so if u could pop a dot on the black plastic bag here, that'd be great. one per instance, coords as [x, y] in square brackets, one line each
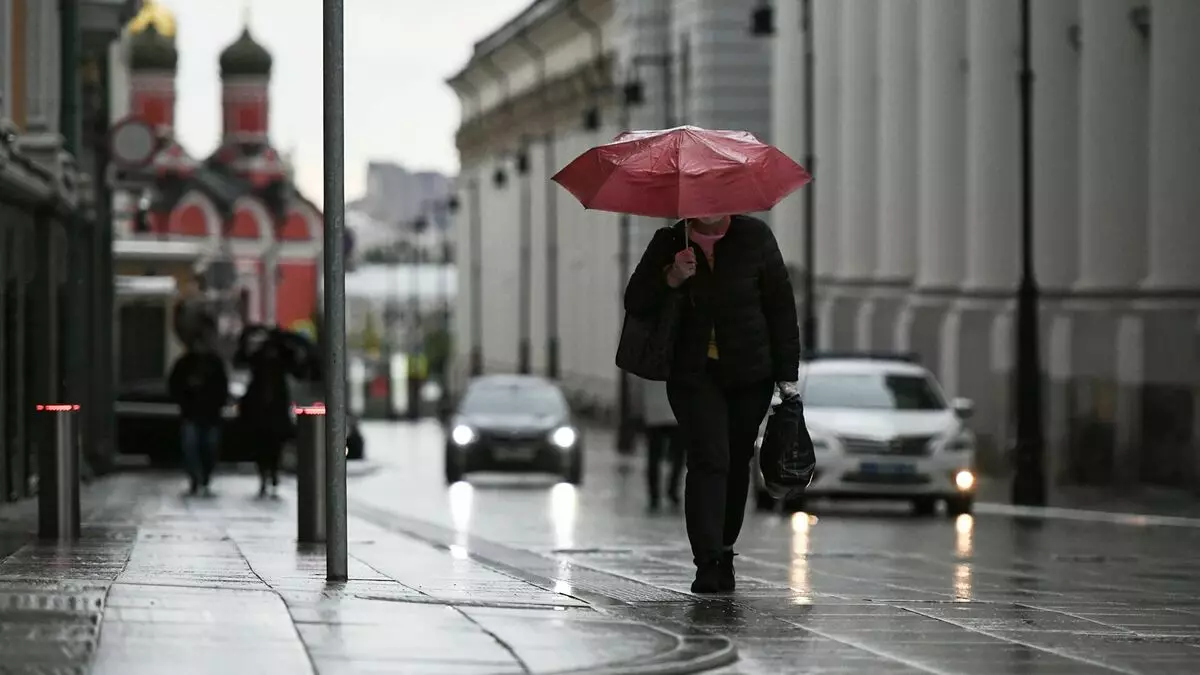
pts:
[787, 459]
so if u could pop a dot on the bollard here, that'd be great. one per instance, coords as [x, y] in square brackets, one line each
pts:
[58, 484]
[310, 474]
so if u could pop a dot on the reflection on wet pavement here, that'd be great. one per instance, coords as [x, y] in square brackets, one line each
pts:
[838, 590]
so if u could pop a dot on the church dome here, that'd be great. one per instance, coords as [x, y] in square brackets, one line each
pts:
[245, 57]
[151, 50]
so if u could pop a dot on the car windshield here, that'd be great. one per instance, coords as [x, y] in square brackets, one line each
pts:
[880, 391]
[494, 399]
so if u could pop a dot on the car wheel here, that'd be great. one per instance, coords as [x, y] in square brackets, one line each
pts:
[763, 501]
[454, 472]
[574, 472]
[958, 506]
[924, 506]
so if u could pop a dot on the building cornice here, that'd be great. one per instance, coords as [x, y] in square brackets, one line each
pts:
[536, 109]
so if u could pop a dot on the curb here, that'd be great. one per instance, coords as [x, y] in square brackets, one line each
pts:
[691, 654]
[1061, 513]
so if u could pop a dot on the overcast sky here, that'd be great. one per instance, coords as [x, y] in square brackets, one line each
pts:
[398, 55]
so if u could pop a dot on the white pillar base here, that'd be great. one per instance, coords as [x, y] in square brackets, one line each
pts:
[1089, 454]
[1057, 401]
[1161, 369]
[837, 319]
[919, 329]
[875, 324]
[968, 368]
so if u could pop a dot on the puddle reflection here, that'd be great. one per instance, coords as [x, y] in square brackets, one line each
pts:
[964, 548]
[462, 498]
[964, 540]
[798, 574]
[562, 577]
[563, 503]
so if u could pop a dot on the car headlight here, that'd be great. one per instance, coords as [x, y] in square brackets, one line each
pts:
[462, 435]
[564, 437]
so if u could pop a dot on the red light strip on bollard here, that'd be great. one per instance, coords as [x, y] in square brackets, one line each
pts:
[57, 407]
[317, 408]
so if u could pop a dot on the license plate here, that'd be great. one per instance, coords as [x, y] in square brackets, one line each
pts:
[887, 468]
[514, 454]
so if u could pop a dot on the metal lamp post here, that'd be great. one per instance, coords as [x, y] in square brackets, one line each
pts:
[336, 558]
[762, 24]
[1029, 479]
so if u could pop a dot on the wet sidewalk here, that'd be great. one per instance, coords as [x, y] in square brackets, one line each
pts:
[163, 583]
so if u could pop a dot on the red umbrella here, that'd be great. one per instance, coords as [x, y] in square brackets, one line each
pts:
[685, 172]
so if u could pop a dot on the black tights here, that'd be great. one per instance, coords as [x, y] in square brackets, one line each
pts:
[719, 425]
[268, 464]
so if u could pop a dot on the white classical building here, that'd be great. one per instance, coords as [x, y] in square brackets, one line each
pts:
[917, 182]
[536, 93]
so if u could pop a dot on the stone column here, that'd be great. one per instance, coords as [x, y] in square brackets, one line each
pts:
[787, 123]
[1174, 205]
[834, 323]
[1113, 128]
[857, 244]
[978, 321]
[896, 219]
[1056, 203]
[1171, 441]
[941, 189]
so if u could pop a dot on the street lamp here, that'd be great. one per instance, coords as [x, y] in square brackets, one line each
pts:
[762, 24]
[1029, 480]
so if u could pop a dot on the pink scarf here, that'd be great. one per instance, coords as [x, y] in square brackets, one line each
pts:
[707, 242]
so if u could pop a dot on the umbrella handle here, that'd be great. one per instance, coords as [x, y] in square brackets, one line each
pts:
[686, 233]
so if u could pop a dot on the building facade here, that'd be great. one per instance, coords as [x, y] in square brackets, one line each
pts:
[540, 279]
[917, 182]
[239, 201]
[54, 304]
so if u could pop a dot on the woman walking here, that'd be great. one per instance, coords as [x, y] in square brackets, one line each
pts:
[663, 443]
[738, 338]
[266, 408]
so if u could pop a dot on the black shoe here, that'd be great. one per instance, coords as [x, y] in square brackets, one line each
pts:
[708, 577]
[725, 569]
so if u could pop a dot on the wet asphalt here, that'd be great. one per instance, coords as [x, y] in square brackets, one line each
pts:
[847, 588]
[523, 574]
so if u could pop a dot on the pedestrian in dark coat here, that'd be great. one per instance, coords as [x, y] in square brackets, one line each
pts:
[265, 410]
[199, 384]
[738, 338]
[663, 443]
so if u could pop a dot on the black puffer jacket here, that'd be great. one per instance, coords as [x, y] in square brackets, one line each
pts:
[747, 297]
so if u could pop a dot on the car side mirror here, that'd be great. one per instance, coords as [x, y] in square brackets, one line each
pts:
[963, 407]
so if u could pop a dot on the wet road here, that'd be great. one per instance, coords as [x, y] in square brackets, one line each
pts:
[841, 590]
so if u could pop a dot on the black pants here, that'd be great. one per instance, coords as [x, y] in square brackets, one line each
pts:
[719, 425]
[663, 443]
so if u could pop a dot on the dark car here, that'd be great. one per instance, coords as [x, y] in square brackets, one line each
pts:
[513, 423]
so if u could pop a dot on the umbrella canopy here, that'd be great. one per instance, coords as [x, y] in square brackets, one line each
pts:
[685, 172]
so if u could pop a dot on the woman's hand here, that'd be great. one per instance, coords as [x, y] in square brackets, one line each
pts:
[682, 269]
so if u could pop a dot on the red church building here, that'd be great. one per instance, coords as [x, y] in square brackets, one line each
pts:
[239, 204]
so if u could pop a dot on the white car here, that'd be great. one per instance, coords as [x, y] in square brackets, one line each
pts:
[883, 428]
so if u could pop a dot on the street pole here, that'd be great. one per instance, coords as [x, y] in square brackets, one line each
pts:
[810, 159]
[552, 357]
[336, 563]
[625, 435]
[524, 271]
[1029, 481]
[476, 225]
